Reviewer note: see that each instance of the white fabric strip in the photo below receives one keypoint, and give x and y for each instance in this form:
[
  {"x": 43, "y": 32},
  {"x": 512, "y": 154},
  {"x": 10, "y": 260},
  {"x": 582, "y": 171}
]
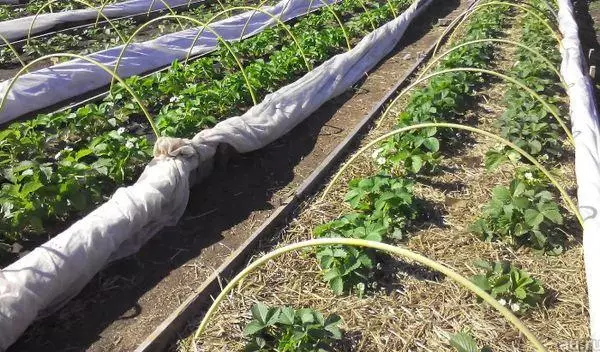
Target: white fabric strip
[
  {"x": 49, "y": 86},
  {"x": 19, "y": 28},
  {"x": 584, "y": 120}
]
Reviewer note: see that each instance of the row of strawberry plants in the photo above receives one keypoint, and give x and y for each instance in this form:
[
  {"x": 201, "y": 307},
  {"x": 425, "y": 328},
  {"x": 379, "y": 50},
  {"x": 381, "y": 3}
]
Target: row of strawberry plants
[
  {"x": 9, "y": 12},
  {"x": 286, "y": 329},
  {"x": 526, "y": 122},
  {"x": 385, "y": 198},
  {"x": 59, "y": 164},
  {"x": 383, "y": 204},
  {"x": 525, "y": 212},
  {"x": 100, "y": 37}
]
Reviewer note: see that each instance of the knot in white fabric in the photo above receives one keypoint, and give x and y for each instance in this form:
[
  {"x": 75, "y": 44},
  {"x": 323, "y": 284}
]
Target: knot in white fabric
[{"x": 173, "y": 147}]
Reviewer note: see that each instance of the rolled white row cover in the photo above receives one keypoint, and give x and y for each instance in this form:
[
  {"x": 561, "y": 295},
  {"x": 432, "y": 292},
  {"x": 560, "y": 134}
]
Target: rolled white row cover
[
  {"x": 19, "y": 28},
  {"x": 584, "y": 122},
  {"x": 52, "y": 85},
  {"x": 56, "y": 271}
]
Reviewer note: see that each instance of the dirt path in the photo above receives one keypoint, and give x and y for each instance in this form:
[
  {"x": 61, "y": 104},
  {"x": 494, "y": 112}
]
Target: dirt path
[{"x": 126, "y": 301}]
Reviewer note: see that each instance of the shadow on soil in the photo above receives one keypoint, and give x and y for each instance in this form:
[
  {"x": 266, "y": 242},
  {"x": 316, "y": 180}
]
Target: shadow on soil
[{"x": 225, "y": 199}]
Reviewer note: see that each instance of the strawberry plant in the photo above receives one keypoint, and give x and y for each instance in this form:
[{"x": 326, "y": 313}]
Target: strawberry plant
[
  {"x": 348, "y": 268},
  {"x": 8, "y": 12},
  {"x": 387, "y": 200},
  {"x": 445, "y": 96},
  {"x": 464, "y": 342},
  {"x": 522, "y": 215},
  {"x": 384, "y": 207},
  {"x": 526, "y": 122},
  {"x": 285, "y": 329},
  {"x": 511, "y": 286}
]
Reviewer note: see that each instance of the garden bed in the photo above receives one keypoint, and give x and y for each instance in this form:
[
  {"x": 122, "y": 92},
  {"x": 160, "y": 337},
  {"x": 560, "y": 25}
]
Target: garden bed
[
  {"x": 89, "y": 38},
  {"x": 10, "y": 12},
  {"x": 390, "y": 304},
  {"x": 128, "y": 300}
]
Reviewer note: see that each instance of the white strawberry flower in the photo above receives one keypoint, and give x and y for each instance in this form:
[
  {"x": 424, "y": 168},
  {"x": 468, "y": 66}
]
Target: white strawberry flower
[
  {"x": 515, "y": 307},
  {"x": 376, "y": 153},
  {"x": 121, "y": 130},
  {"x": 129, "y": 144},
  {"x": 502, "y": 301}
]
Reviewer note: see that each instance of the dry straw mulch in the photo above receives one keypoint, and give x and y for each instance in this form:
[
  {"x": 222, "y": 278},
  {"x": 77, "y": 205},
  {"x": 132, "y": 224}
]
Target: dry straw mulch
[{"x": 416, "y": 309}]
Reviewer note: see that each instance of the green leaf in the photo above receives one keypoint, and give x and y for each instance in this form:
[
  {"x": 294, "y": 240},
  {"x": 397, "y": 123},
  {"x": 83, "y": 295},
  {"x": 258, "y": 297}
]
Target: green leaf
[
  {"x": 337, "y": 285},
  {"x": 82, "y": 153},
  {"x": 502, "y": 285},
  {"x": 521, "y": 202},
  {"x": 331, "y": 274},
  {"x": 493, "y": 159},
  {"x": 502, "y": 194},
  {"x": 463, "y": 342},
  {"x": 31, "y": 187},
  {"x": 432, "y": 144},
  {"x": 326, "y": 261},
  {"x": 273, "y": 316},
  {"x": 417, "y": 163},
  {"x": 551, "y": 212},
  {"x": 520, "y": 293},
  {"x": 533, "y": 218},
  {"x": 535, "y": 147},
  {"x": 481, "y": 281},
  {"x": 260, "y": 312},
  {"x": 483, "y": 264},
  {"x": 253, "y": 328},
  {"x": 287, "y": 316},
  {"x": 306, "y": 315}
]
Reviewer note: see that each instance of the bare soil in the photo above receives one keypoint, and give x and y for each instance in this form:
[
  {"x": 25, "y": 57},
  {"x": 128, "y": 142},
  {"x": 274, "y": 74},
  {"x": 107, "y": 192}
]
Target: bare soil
[{"x": 126, "y": 301}]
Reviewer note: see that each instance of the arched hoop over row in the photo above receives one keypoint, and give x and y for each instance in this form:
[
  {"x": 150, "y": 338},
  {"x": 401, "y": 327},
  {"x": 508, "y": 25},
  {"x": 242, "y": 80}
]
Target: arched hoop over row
[
  {"x": 166, "y": 5},
  {"x": 278, "y": 18},
  {"x": 494, "y": 40},
  {"x": 512, "y": 80},
  {"x": 102, "y": 6},
  {"x": 199, "y": 23},
  {"x": 461, "y": 19},
  {"x": 255, "y": 9},
  {"x": 87, "y": 4},
  {"x": 169, "y": 8},
  {"x": 362, "y": 4},
  {"x": 563, "y": 192},
  {"x": 94, "y": 62},
  {"x": 12, "y": 49},
  {"x": 548, "y": 7},
  {"x": 394, "y": 250},
  {"x": 259, "y": 6}
]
